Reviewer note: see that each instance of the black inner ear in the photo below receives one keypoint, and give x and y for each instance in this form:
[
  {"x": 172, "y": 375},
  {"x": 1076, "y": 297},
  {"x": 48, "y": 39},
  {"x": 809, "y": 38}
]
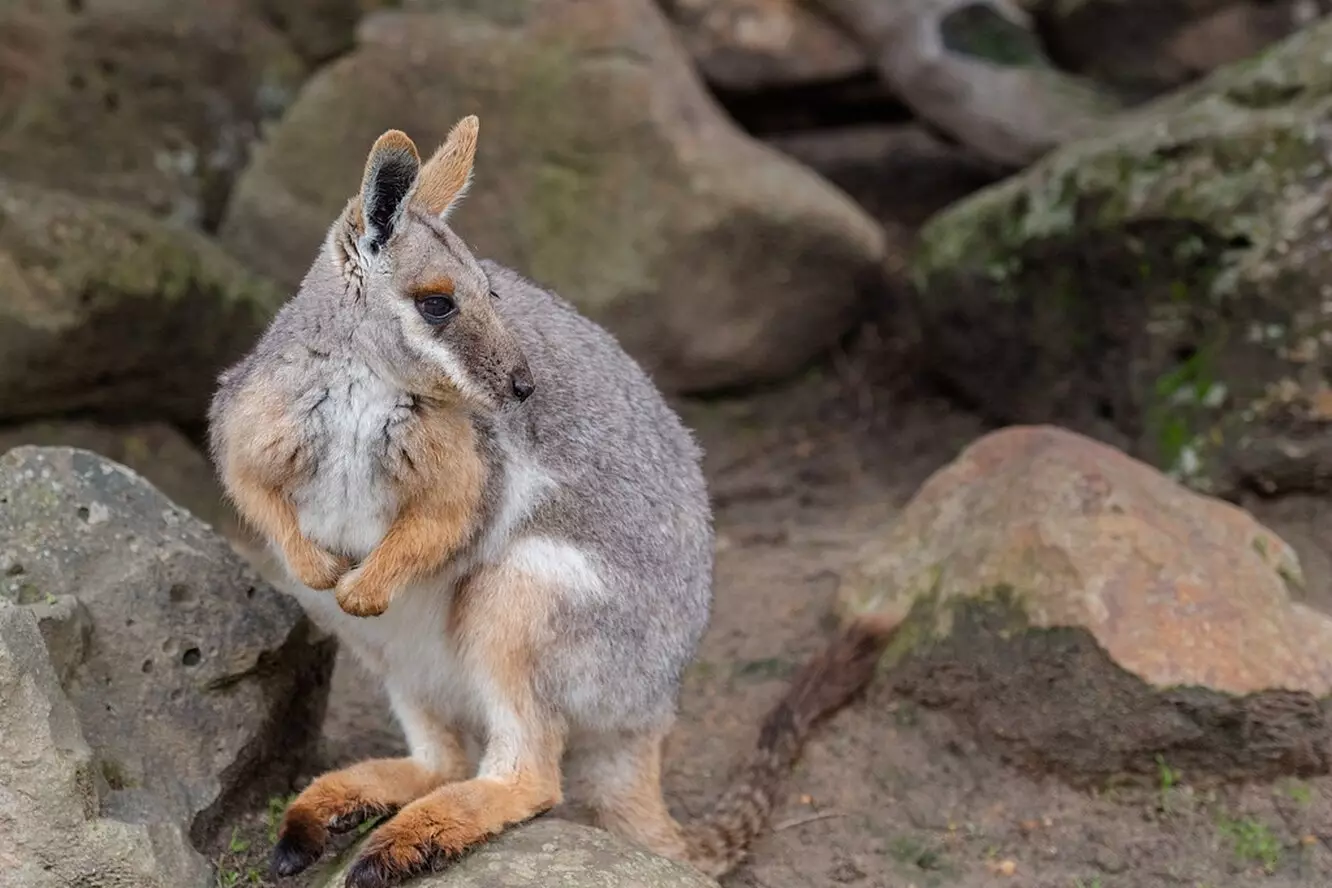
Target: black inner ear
[{"x": 391, "y": 177}]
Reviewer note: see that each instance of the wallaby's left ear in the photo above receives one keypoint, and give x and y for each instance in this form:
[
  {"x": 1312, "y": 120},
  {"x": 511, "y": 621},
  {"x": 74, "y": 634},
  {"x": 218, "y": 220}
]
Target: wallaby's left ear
[
  {"x": 445, "y": 177},
  {"x": 390, "y": 171}
]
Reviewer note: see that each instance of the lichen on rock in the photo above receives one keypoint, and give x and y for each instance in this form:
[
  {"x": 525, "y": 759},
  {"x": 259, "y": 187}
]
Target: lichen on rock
[{"x": 1164, "y": 284}]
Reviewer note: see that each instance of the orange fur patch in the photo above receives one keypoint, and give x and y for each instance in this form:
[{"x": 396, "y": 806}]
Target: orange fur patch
[
  {"x": 446, "y": 174},
  {"x": 432, "y": 287},
  {"x": 261, "y": 460},
  {"x": 440, "y": 492}
]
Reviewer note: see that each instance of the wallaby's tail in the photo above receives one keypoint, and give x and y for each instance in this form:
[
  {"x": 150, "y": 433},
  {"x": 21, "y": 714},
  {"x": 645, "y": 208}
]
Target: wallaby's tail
[{"x": 719, "y": 840}]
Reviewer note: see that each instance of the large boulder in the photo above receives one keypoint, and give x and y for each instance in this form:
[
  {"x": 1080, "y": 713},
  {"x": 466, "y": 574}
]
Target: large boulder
[
  {"x": 745, "y": 45},
  {"x": 197, "y": 688},
  {"x": 1145, "y": 47},
  {"x": 605, "y": 171},
  {"x": 104, "y": 310},
  {"x": 547, "y": 851},
  {"x": 152, "y": 103},
  {"x": 1166, "y": 285},
  {"x": 1084, "y": 614},
  {"x": 158, "y": 452}
]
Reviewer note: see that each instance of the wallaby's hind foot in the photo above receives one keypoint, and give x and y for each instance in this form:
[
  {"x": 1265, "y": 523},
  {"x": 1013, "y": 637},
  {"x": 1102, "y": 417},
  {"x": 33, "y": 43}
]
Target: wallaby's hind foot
[{"x": 340, "y": 801}]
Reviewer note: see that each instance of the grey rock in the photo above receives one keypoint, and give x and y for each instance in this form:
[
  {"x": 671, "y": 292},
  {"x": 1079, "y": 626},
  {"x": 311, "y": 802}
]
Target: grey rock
[
  {"x": 107, "y": 311},
  {"x": 761, "y": 44},
  {"x": 977, "y": 71},
  {"x": 152, "y": 103},
  {"x": 155, "y": 450},
  {"x": 553, "y": 854},
  {"x": 197, "y": 687},
  {"x": 51, "y": 834},
  {"x": 1146, "y": 47}
]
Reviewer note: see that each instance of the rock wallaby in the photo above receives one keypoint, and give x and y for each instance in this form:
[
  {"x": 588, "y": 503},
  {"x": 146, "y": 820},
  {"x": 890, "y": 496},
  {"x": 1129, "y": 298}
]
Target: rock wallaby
[{"x": 493, "y": 507}]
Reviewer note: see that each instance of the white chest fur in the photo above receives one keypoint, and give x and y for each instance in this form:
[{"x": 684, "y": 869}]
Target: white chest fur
[{"x": 347, "y": 505}]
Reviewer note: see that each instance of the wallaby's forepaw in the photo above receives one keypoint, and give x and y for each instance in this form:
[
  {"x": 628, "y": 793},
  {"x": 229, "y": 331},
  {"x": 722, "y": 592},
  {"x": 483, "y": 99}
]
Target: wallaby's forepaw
[
  {"x": 316, "y": 567},
  {"x": 361, "y": 596}
]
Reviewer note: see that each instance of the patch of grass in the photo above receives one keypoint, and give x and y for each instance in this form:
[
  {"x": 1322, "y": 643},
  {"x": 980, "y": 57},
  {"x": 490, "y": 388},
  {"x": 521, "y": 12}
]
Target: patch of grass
[
  {"x": 770, "y": 667},
  {"x": 237, "y": 845},
  {"x": 1093, "y": 882},
  {"x": 277, "y": 806},
  {"x": 1252, "y": 841},
  {"x": 1167, "y": 780},
  {"x": 1299, "y": 792},
  {"x": 913, "y": 852}
]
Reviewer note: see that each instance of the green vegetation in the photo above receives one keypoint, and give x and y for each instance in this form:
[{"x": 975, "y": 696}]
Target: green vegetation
[{"x": 1252, "y": 841}]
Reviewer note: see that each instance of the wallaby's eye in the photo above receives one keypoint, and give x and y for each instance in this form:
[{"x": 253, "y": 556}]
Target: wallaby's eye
[
  {"x": 436, "y": 309},
  {"x": 494, "y": 295}
]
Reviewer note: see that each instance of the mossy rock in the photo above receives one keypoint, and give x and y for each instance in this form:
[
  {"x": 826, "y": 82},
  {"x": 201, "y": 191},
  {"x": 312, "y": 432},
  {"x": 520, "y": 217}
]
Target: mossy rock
[
  {"x": 1083, "y": 614},
  {"x": 107, "y": 312},
  {"x": 604, "y": 171},
  {"x": 151, "y": 103},
  {"x": 1165, "y": 285}
]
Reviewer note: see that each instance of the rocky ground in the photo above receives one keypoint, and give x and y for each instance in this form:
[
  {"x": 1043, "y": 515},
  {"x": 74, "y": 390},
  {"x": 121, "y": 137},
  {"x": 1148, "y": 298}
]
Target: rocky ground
[{"x": 880, "y": 235}]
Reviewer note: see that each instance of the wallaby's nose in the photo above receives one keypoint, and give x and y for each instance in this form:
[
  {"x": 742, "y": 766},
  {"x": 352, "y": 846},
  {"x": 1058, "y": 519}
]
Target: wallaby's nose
[{"x": 523, "y": 386}]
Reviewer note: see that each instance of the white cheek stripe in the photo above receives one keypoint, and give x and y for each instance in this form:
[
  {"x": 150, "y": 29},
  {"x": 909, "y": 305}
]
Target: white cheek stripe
[{"x": 431, "y": 349}]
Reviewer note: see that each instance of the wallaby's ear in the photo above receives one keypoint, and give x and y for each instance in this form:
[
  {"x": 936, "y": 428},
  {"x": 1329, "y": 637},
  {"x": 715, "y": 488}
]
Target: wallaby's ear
[
  {"x": 445, "y": 177},
  {"x": 390, "y": 171}
]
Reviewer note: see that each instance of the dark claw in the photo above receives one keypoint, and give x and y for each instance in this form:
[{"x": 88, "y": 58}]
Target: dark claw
[
  {"x": 369, "y": 871},
  {"x": 299, "y": 847}
]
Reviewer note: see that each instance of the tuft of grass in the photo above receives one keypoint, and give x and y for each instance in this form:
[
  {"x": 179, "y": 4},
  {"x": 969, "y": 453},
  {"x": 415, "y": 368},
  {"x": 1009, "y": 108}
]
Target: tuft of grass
[
  {"x": 277, "y": 806},
  {"x": 1299, "y": 792},
  {"x": 1252, "y": 841},
  {"x": 1167, "y": 780}
]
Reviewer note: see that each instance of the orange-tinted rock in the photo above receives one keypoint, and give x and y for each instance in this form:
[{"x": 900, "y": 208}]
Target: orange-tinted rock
[{"x": 1088, "y": 594}]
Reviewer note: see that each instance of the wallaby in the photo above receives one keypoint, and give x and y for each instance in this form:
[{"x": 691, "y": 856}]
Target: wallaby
[{"x": 494, "y": 508}]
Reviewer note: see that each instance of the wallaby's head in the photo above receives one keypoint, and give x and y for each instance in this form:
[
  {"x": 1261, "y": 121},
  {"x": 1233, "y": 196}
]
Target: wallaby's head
[{"x": 404, "y": 291}]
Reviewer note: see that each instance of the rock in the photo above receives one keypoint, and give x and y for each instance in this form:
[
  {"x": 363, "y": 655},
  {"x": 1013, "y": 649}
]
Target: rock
[
  {"x": 750, "y": 45},
  {"x": 162, "y": 455},
  {"x": 201, "y": 688},
  {"x": 900, "y": 174},
  {"x": 51, "y": 834},
  {"x": 152, "y": 103},
  {"x": 976, "y": 70},
  {"x": 105, "y": 311},
  {"x": 1084, "y": 613},
  {"x": 552, "y": 852},
  {"x": 1147, "y": 47},
  {"x": 319, "y": 30},
  {"x": 1167, "y": 286},
  {"x": 604, "y": 171}
]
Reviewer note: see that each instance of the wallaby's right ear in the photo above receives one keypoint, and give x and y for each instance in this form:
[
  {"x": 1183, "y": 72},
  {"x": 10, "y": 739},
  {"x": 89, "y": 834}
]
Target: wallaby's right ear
[{"x": 390, "y": 172}]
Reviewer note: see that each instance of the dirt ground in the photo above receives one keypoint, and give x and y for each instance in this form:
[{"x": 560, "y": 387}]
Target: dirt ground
[{"x": 889, "y": 795}]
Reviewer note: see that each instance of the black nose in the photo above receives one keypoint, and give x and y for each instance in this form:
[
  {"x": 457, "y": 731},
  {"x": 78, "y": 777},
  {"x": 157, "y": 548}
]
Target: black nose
[{"x": 523, "y": 386}]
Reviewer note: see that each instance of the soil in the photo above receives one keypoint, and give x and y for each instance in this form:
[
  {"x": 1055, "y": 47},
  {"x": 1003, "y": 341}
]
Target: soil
[{"x": 887, "y": 794}]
